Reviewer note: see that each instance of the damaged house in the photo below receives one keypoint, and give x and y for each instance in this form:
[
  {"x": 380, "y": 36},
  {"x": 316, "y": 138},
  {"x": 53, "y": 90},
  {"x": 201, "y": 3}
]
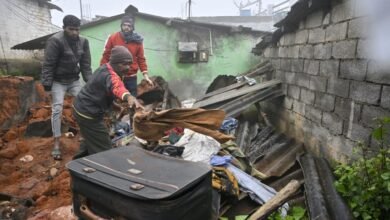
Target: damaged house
[
  {"x": 304, "y": 98},
  {"x": 22, "y": 20}
]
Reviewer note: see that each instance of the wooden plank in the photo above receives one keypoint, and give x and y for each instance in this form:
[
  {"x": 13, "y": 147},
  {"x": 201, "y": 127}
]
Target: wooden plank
[
  {"x": 235, "y": 93},
  {"x": 278, "y": 200}
]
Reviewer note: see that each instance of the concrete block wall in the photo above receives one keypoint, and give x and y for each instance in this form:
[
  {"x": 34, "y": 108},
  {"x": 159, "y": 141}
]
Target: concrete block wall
[
  {"x": 20, "y": 21},
  {"x": 333, "y": 90}
]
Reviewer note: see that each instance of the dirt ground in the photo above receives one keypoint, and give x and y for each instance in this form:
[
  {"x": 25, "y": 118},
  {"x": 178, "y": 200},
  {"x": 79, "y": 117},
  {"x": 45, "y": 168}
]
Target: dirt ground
[{"x": 44, "y": 180}]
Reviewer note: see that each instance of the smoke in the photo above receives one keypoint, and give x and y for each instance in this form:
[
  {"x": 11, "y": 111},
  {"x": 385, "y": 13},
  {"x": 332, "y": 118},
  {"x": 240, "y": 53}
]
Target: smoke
[{"x": 378, "y": 16}]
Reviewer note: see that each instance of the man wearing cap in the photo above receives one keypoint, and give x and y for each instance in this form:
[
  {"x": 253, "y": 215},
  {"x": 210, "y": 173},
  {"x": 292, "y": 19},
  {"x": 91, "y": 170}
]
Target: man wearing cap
[
  {"x": 134, "y": 43},
  {"x": 97, "y": 97},
  {"x": 66, "y": 55}
]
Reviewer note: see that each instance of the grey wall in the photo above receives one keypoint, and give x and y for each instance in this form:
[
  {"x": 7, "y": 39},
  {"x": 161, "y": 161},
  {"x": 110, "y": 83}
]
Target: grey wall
[
  {"x": 20, "y": 21},
  {"x": 333, "y": 90}
]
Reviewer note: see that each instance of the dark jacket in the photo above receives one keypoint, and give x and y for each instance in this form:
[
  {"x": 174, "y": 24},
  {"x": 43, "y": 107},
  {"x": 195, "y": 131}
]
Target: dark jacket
[
  {"x": 97, "y": 96},
  {"x": 62, "y": 64}
]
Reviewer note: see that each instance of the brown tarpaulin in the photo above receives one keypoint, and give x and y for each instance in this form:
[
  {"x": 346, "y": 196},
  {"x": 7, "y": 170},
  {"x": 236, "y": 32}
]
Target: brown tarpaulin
[{"x": 151, "y": 126}]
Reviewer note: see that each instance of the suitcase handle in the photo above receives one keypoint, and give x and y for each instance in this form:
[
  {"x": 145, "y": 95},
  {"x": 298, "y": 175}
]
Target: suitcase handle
[{"x": 88, "y": 214}]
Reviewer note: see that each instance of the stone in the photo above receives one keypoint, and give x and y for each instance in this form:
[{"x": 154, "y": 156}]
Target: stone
[
  {"x": 344, "y": 49},
  {"x": 325, "y": 102},
  {"x": 365, "y": 92},
  {"x": 336, "y": 32},
  {"x": 318, "y": 83},
  {"x": 353, "y": 69},
  {"x": 338, "y": 87},
  {"x": 329, "y": 68}
]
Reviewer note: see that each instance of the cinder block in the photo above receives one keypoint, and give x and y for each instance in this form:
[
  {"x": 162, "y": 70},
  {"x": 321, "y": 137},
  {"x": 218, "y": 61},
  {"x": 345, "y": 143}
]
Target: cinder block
[
  {"x": 313, "y": 114},
  {"x": 293, "y": 91},
  {"x": 363, "y": 49},
  {"x": 312, "y": 67},
  {"x": 325, "y": 101},
  {"x": 302, "y": 36},
  {"x": 357, "y": 28},
  {"x": 323, "y": 51},
  {"x": 297, "y": 65},
  {"x": 343, "y": 11},
  {"x": 385, "y": 100},
  {"x": 338, "y": 87},
  {"x": 306, "y": 51},
  {"x": 318, "y": 83},
  {"x": 317, "y": 35},
  {"x": 299, "y": 107},
  {"x": 357, "y": 132},
  {"x": 365, "y": 92},
  {"x": 333, "y": 123},
  {"x": 370, "y": 112},
  {"x": 307, "y": 96},
  {"x": 378, "y": 74},
  {"x": 290, "y": 78},
  {"x": 353, "y": 69},
  {"x": 329, "y": 68},
  {"x": 344, "y": 49},
  {"x": 302, "y": 80},
  {"x": 293, "y": 52},
  {"x": 285, "y": 64},
  {"x": 336, "y": 32},
  {"x": 343, "y": 109}
]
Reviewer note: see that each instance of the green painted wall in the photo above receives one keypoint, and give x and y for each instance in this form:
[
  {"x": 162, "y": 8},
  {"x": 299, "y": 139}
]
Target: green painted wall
[{"x": 231, "y": 53}]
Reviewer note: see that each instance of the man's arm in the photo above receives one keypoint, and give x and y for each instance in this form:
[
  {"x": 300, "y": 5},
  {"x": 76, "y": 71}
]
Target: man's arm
[
  {"x": 52, "y": 55},
  {"x": 107, "y": 51},
  {"x": 85, "y": 62},
  {"x": 142, "y": 64}
]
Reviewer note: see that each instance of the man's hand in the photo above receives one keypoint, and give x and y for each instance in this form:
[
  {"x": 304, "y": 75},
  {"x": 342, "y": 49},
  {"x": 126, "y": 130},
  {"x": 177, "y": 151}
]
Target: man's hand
[
  {"x": 146, "y": 76},
  {"x": 133, "y": 103}
]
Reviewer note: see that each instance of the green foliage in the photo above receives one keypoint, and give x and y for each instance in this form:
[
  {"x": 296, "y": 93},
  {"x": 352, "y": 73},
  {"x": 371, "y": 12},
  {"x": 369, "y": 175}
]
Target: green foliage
[
  {"x": 294, "y": 213},
  {"x": 365, "y": 184}
]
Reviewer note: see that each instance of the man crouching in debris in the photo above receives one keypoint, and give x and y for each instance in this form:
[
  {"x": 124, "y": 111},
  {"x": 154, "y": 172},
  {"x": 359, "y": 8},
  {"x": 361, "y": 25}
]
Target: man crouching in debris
[
  {"x": 97, "y": 97},
  {"x": 66, "y": 54}
]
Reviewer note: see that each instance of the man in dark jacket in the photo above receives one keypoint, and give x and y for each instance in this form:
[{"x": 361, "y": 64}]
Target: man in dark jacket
[
  {"x": 97, "y": 97},
  {"x": 66, "y": 54},
  {"x": 134, "y": 43}
]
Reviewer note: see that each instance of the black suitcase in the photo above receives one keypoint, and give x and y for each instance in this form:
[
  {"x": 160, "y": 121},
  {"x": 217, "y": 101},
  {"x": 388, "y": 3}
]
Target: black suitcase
[{"x": 131, "y": 183}]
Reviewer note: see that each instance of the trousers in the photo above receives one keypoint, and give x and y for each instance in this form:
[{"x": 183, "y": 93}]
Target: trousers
[{"x": 58, "y": 91}]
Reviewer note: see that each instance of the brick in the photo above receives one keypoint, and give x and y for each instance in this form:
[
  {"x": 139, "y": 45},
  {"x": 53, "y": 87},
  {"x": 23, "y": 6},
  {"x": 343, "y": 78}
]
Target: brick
[
  {"x": 385, "y": 100},
  {"x": 289, "y": 39},
  {"x": 357, "y": 132},
  {"x": 318, "y": 83},
  {"x": 288, "y": 102},
  {"x": 317, "y": 35},
  {"x": 314, "y": 19},
  {"x": 342, "y": 12},
  {"x": 293, "y": 91},
  {"x": 353, "y": 69},
  {"x": 363, "y": 49},
  {"x": 333, "y": 123},
  {"x": 302, "y": 79},
  {"x": 285, "y": 64},
  {"x": 299, "y": 107},
  {"x": 283, "y": 52},
  {"x": 293, "y": 52},
  {"x": 302, "y": 36},
  {"x": 344, "y": 49},
  {"x": 297, "y": 65},
  {"x": 329, "y": 68},
  {"x": 323, "y": 51},
  {"x": 311, "y": 67},
  {"x": 357, "y": 28},
  {"x": 336, "y": 32},
  {"x": 313, "y": 114},
  {"x": 371, "y": 112},
  {"x": 365, "y": 92},
  {"x": 378, "y": 74},
  {"x": 306, "y": 52},
  {"x": 325, "y": 102},
  {"x": 280, "y": 75},
  {"x": 338, "y": 87},
  {"x": 290, "y": 78},
  {"x": 275, "y": 63},
  {"x": 343, "y": 109},
  {"x": 307, "y": 96}
]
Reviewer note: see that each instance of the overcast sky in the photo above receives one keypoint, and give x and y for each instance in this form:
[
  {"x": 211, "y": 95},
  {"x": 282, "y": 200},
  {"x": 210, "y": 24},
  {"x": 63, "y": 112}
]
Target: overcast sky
[{"x": 168, "y": 8}]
